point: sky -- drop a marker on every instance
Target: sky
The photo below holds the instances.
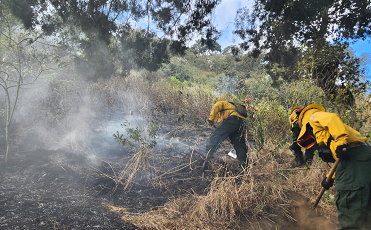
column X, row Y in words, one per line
column 224, row 19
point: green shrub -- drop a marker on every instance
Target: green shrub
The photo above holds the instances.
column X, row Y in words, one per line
column 269, row 124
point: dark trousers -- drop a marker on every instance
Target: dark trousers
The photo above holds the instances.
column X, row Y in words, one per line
column 352, row 186
column 308, row 156
column 233, row 128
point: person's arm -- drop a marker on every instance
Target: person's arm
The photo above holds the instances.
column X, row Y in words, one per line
column 332, row 123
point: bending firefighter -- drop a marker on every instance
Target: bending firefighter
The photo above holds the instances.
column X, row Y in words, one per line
column 353, row 173
column 232, row 126
column 294, row 147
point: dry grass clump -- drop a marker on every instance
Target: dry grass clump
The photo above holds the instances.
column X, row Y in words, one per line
column 306, row 180
column 192, row 102
column 213, row 211
column 166, row 96
column 126, row 171
column 197, row 102
column 250, row 195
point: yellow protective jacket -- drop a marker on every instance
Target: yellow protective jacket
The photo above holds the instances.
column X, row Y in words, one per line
column 326, row 124
column 221, row 110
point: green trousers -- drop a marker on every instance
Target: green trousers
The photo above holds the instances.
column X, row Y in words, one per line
column 233, row 128
column 352, row 185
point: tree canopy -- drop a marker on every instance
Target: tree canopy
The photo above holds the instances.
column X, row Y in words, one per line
column 290, row 32
column 95, row 26
column 291, row 23
column 177, row 19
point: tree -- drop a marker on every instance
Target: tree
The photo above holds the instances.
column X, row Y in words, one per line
column 200, row 47
column 21, row 64
column 142, row 49
column 284, row 30
column 110, row 20
column 338, row 73
column 291, row 23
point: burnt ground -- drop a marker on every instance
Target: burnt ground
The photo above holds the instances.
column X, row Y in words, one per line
column 38, row 193
column 42, row 188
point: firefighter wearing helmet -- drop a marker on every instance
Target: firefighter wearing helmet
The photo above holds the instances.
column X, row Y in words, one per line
column 353, row 173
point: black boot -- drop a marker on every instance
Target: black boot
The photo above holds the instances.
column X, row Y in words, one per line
column 309, row 154
column 299, row 160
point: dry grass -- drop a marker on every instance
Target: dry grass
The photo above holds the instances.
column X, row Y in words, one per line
column 256, row 193
column 262, row 193
column 134, row 167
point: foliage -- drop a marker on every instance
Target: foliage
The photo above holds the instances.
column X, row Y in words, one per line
column 142, row 49
column 270, row 122
column 336, row 71
column 110, row 24
column 294, row 37
column 144, row 137
column 200, row 48
column 23, row 60
column 284, row 24
column 179, row 68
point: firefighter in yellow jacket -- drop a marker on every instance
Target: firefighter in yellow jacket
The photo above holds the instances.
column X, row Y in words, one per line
column 232, row 126
column 353, row 173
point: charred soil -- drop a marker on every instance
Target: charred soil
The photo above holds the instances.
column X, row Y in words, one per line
column 42, row 188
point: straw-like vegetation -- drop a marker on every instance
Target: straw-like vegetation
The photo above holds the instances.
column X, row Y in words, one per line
column 267, row 195
column 128, row 110
column 270, row 194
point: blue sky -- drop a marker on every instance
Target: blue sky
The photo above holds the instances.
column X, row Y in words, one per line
column 226, row 11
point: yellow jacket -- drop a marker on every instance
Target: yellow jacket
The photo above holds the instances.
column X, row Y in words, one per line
column 326, row 124
column 221, row 110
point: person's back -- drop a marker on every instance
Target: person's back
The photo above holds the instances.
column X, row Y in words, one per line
column 231, row 125
column 353, row 173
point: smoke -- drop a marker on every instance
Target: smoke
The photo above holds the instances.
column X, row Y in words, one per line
column 80, row 117
column 228, row 84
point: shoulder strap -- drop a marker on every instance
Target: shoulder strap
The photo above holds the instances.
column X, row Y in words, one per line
column 228, row 109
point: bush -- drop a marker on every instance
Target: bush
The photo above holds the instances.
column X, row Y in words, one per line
column 269, row 124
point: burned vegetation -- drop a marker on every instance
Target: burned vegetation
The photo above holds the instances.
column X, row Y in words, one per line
column 133, row 165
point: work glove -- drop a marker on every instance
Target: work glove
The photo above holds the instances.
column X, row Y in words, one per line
column 341, row 152
column 211, row 123
column 327, row 185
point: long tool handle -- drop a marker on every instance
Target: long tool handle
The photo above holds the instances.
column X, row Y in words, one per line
column 329, row 177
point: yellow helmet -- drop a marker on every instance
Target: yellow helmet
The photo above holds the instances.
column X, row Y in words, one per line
column 309, row 107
